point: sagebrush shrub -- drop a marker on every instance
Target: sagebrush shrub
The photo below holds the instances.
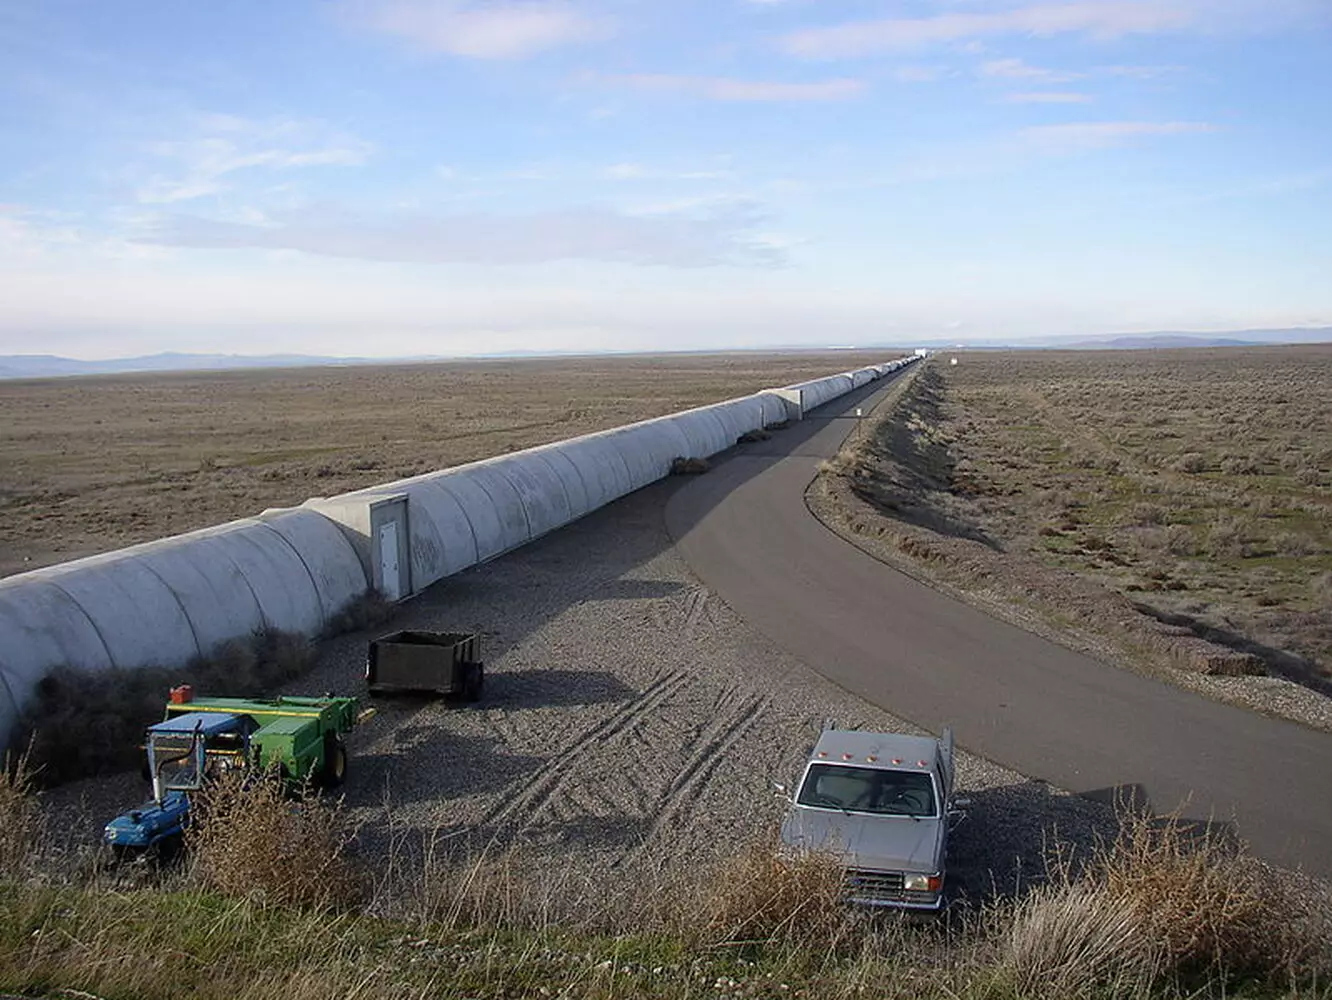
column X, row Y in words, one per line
column 759, row 895
column 249, row 838
column 1209, row 906
column 1190, row 461
column 109, row 709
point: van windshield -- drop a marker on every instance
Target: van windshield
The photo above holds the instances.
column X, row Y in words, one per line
column 867, row 790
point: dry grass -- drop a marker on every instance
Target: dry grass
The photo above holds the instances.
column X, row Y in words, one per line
column 20, row 817
column 1208, row 907
column 93, row 464
column 1168, row 904
column 749, row 897
column 1075, row 939
column 495, row 885
column 249, row 839
column 266, row 912
column 757, row 895
column 84, row 723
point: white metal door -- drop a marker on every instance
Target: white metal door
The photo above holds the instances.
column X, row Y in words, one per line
column 389, row 583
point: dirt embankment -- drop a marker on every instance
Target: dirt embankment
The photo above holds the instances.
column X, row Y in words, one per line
column 918, row 493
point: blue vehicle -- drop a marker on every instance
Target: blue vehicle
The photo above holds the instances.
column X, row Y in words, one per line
column 182, row 750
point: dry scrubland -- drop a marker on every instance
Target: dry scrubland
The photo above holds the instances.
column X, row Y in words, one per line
column 97, row 463
column 1174, row 507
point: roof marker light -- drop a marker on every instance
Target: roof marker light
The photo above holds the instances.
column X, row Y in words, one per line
column 871, row 758
column 823, row 753
column 846, row 756
column 897, row 760
column 921, row 763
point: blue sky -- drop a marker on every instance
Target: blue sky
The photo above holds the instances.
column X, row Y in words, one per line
column 392, row 177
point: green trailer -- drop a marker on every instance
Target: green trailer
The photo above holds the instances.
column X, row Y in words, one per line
column 301, row 737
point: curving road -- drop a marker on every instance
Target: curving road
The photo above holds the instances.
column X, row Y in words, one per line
column 1012, row 697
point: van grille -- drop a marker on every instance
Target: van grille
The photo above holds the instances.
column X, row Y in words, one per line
column 865, row 883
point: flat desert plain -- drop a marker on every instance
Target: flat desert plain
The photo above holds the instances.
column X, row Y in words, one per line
column 92, row 464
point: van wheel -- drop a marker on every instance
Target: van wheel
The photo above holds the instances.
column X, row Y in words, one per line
column 334, row 771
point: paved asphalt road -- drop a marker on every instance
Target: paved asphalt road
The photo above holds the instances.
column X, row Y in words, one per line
column 1011, row 696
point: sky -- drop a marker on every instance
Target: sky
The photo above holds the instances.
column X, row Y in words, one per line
column 454, row 177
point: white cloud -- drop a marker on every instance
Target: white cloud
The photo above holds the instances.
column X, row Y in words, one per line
column 503, row 29
column 226, row 144
column 640, row 172
column 532, row 172
column 1047, row 97
column 1016, row 69
column 722, row 236
column 1080, row 136
column 28, row 237
column 1101, row 19
column 719, row 88
column 1016, row 150
column 917, row 74
column 1139, row 72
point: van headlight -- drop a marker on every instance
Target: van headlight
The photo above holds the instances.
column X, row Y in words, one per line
column 923, row 883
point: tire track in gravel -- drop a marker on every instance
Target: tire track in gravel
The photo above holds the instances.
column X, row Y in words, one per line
column 708, row 753
column 695, row 605
column 551, row 776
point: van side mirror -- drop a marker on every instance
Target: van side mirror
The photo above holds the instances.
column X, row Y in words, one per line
column 781, row 791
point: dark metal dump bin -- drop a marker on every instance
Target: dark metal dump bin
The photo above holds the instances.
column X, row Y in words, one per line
column 441, row 662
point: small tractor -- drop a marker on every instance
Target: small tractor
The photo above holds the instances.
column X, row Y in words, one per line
column 299, row 739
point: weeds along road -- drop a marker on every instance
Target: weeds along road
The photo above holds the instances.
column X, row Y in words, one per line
column 1013, row 697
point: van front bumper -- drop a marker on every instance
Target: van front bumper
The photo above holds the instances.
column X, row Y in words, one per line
column 869, row 887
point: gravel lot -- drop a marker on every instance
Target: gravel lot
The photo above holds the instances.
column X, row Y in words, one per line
column 631, row 721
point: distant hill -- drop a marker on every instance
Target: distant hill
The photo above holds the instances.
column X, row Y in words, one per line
column 1142, row 341
column 49, row 365
column 1160, row 341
